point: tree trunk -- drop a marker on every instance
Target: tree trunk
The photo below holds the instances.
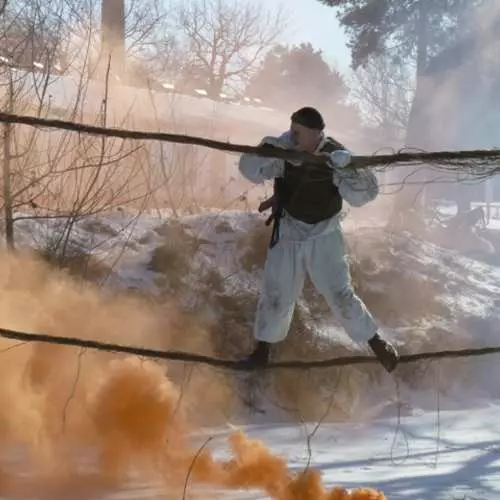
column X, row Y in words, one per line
column 410, row 197
column 6, row 170
column 113, row 35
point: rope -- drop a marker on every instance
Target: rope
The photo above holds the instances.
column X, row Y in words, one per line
column 486, row 155
column 234, row 364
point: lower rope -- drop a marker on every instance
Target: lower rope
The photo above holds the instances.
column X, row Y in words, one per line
column 235, row 364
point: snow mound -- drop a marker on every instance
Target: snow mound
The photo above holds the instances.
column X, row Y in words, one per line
column 424, row 297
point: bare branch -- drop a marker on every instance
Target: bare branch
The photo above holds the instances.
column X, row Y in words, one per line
column 222, row 41
column 3, row 6
column 384, row 92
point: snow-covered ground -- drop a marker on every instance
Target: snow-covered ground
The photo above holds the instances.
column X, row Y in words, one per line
column 429, row 433
column 449, row 455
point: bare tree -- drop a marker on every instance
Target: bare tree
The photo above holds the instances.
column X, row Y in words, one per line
column 57, row 180
column 223, row 41
column 383, row 91
column 34, row 30
column 30, row 33
column 56, row 176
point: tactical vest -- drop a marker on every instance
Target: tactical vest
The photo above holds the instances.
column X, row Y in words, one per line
column 306, row 192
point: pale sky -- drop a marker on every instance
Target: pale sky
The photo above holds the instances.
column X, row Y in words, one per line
column 314, row 22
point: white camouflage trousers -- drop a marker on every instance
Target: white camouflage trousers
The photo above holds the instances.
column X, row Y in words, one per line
column 324, row 259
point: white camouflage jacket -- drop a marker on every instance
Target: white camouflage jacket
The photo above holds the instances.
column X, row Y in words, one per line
column 357, row 187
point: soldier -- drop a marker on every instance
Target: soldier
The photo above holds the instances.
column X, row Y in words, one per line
column 307, row 237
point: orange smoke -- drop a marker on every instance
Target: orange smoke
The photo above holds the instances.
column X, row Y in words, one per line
column 82, row 423
column 135, row 414
column 134, row 423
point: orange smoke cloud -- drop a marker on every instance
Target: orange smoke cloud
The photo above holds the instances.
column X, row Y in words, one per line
column 135, row 415
column 133, row 422
column 83, row 423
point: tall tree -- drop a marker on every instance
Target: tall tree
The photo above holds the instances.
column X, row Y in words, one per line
column 411, row 29
column 297, row 76
column 130, row 28
column 113, row 33
column 412, row 32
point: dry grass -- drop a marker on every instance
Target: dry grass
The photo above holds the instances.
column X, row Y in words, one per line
column 76, row 261
column 255, row 244
column 395, row 297
column 172, row 259
column 232, row 334
column 336, row 390
column 346, row 392
column 379, row 276
column 400, row 298
column 96, row 226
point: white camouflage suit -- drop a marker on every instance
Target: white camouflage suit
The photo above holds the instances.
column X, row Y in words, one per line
column 317, row 249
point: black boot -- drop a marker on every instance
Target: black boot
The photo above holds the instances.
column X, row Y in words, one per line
column 259, row 357
column 385, row 352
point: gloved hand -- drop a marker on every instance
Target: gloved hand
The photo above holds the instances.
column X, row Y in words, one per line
column 284, row 141
column 340, row 158
column 277, row 142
